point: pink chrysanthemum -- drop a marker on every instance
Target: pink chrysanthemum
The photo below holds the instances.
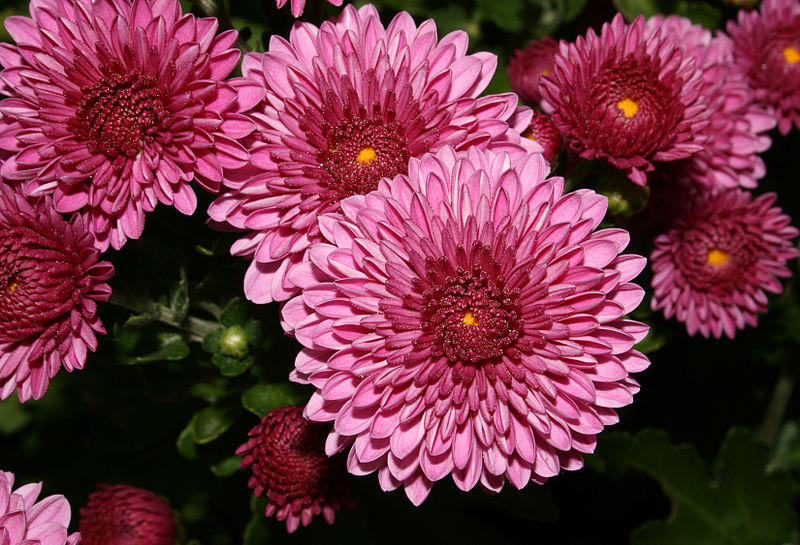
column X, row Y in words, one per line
column 116, row 106
column 630, row 96
column 528, row 65
column 767, row 51
column 286, row 454
column 297, row 6
column 24, row 521
column 126, row 515
column 346, row 105
column 543, row 131
column 50, row 282
column 736, row 132
column 467, row 320
column 712, row 269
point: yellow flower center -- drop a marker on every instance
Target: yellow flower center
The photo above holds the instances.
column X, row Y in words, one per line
column 791, row 54
column 628, row 107
column 366, row 155
column 469, row 318
column 545, row 72
column 717, row 257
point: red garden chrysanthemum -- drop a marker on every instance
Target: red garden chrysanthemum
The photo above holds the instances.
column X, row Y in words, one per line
column 630, row 96
column 126, row 515
column 737, row 127
column 528, row 65
column 543, row 131
column 466, row 319
column 50, row 282
column 712, row 269
column 767, row 51
column 297, row 6
column 347, row 104
column 116, row 106
column 286, row 455
column 25, row 521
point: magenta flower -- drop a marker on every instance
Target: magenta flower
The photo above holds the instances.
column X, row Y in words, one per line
column 467, row 320
column 50, row 283
column 543, row 131
column 630, row 96
column 344, row 106
column 736, row 132
column 116, row 106
column 126, row 515
column 24, row 521
column 528, row 65
column 767, row 51
column 297, row 6
column 286, row 454
column 711, row 271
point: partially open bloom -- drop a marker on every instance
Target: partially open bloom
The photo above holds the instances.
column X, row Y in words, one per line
column 50, row 282
column 737, row 127
column 467, row 320
column 24, row 521
column 126, row 515
column 767, row 47
column 528, row 65
column 543, row 131
column 712, row 269
column 344, row 106
column 115, row 106
column 286, row 454
column 297, row 6
column 630, row 96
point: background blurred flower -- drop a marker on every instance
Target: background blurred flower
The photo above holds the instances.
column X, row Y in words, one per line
column 346, row 105
column 630, row 96
column 767, row 46
column 528, row 64
column 126, row 515
column 286, row 455
column 117, row 106
column 712, row 268
column 24, row 521
column 468, row 321
column 297, row 6
column 543, row 131
column 737, row 127
column 50, row 282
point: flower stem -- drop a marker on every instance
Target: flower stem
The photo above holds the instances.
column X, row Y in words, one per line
column 193, row 328
column 781, row 394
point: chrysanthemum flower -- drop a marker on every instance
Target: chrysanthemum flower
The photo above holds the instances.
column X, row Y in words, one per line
column 126, row 515
column 630, row 96
column 346, row 105
column 543, row 131
column 116, row 106
column 50, row 282
column 297, row 6
column 736, row 132
column 286, row 454
column 526, row 67
column 24, row 521
column 711, row 271
column 767, row 50
column 467, row 320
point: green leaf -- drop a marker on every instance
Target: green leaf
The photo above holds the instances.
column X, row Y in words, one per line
column 787, row 449
column 13, row 416
column 631, row 8
column 140, row 320
column 211, row 422
column 171, row 346
column 186, row 442
column 211, row 391
column 573, row 8
column 505, row 14
column 179, row 299
column 231, row 367
column 227, row 467
column 257, row 531
column 738, row 503
column 701, row 13
column 262, row 398
column 211, row 340
column 235, row 312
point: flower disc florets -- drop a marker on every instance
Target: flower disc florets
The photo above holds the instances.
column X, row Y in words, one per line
column 344, row 106
column 712, row 269
column 466, row 320
column 630, row 96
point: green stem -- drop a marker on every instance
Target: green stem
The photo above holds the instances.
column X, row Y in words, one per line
column 193, row 328
column 773, row 418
